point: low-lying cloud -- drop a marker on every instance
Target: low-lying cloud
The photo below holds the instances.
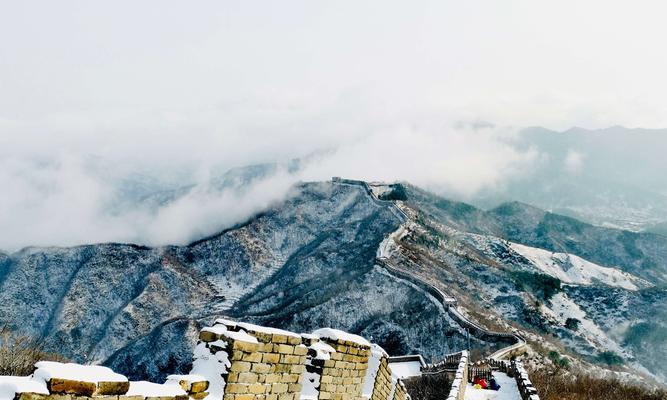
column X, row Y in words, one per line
column 162, row 189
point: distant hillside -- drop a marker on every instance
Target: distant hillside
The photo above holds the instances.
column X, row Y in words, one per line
column 643, row 254
column 660, row 229
column 609, row 177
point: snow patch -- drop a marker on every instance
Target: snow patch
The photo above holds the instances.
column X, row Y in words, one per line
column 10, row 385
column 562, row 308
column 150, row 389
column 211, row 367
column 576, row 270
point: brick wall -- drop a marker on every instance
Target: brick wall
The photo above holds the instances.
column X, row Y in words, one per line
column 240, row 361
column 343, row 374
column 383, row 381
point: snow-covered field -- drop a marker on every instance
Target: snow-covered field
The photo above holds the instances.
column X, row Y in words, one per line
column 575, row 270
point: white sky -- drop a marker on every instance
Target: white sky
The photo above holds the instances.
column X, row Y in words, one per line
column 167, row 86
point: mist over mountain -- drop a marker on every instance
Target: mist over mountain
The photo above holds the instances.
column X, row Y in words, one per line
column 609, row 177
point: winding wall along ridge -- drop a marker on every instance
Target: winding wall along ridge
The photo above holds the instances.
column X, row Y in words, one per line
column 448, row 302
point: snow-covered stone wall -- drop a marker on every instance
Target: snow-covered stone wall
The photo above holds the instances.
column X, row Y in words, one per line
column 234, row 361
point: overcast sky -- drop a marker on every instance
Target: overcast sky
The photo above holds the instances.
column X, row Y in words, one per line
column 164, row 87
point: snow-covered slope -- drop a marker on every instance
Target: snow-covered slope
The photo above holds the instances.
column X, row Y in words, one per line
column 575, row 270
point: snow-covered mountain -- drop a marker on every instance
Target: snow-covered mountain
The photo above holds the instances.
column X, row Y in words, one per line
column 309, row 262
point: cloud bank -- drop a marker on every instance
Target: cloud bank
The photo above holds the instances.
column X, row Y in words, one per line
column 103, row 104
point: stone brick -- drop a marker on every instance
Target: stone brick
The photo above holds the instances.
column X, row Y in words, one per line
column 112, row 388
column 247, row 377
column 325, row 396
column 198, row 386
column 236, row 388
column 135, row 397
column 240, row 366
column 262, row 368
column 252, row 357
column 258, row 388
column 278, row 338
column 270, row 358
column 290, row 378
column 262, row 336
column 272, row 378
column 67, row 386
column 297, row 369
column 271, row 397
column 294, row 340
column 284, row 349
column 282, row 368
column 279, row 388
column 245, row 346
column 71, row 397
column 288, row 359
column 30, row 396
column 244, row 397
column 295, row 387
column 301, row 350
column 206, row 336
column 199, row 396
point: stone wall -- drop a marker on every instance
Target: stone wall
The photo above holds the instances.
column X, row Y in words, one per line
column 383, row 381
column 343, row 374
column 264, row 364
column 235, row 361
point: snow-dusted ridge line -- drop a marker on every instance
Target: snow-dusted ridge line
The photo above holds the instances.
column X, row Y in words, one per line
column 448, row 302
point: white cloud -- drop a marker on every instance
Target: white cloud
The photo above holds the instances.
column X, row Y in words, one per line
column 574, row 161
column 92, row 93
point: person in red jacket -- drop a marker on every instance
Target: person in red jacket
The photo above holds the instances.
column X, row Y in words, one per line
column 480, row 381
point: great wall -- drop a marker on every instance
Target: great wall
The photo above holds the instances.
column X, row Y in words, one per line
column 241, row 361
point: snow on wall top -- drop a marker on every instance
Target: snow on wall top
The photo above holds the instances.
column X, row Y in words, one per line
column 335, row 334
column 10, row 385
column 77, row 372
column 266, row 329
column 149, row 389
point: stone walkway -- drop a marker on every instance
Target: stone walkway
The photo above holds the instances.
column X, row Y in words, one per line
column 508, row 390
